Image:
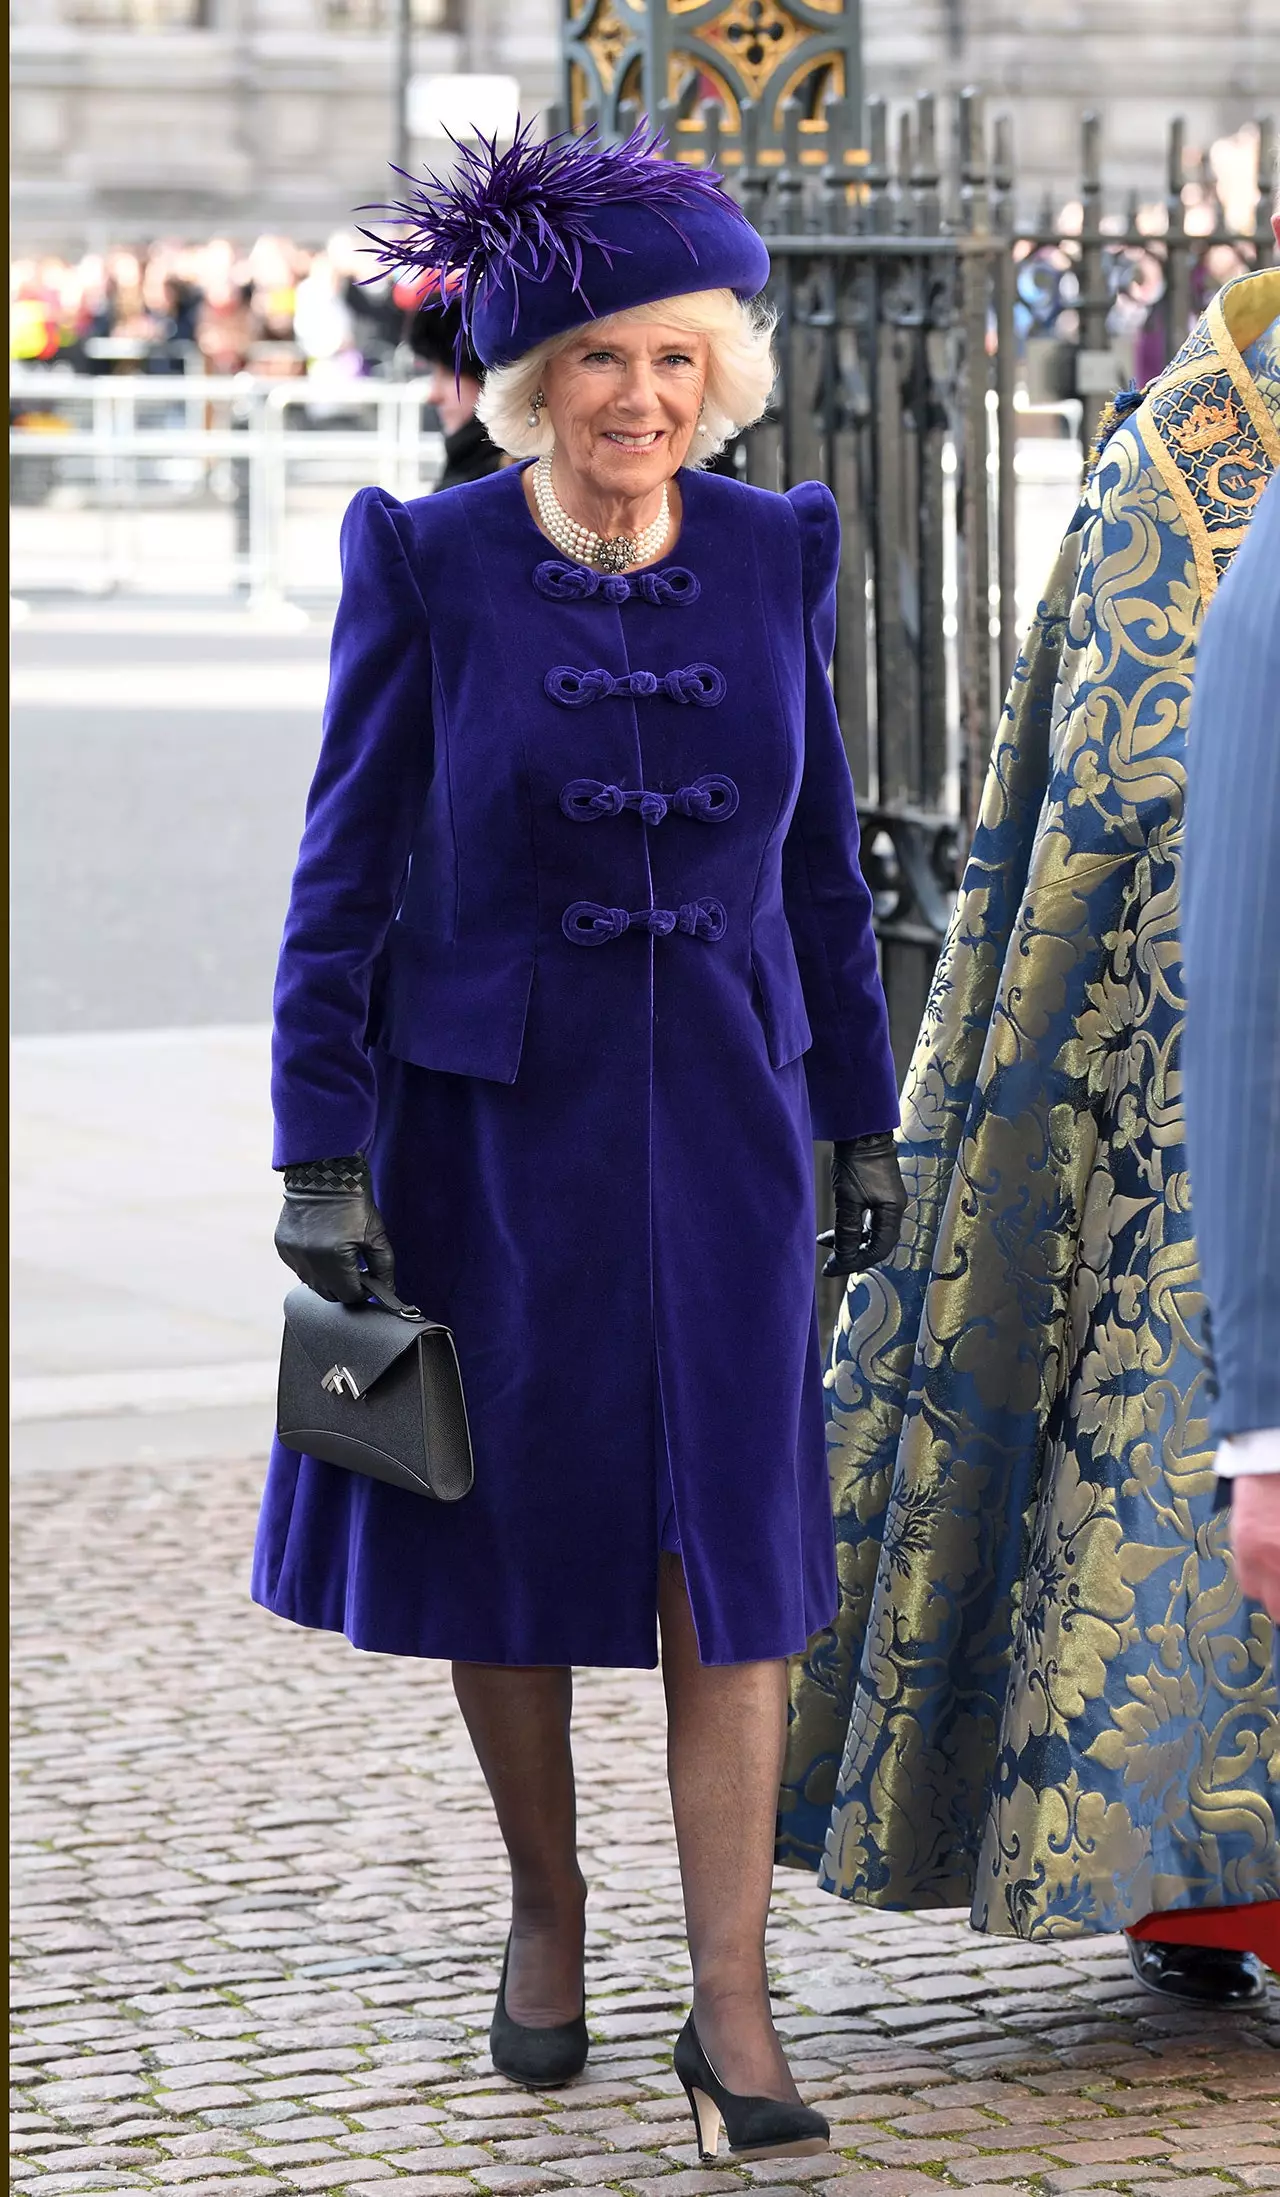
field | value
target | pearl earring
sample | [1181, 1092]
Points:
[535, 407]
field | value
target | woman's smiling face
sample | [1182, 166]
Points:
[623, 399]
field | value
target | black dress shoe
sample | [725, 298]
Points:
[1198, 1975]
[757, 2128]
[541, 2059]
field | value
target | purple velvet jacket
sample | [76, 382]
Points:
[578, 911]
[435, 865]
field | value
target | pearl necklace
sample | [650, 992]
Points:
[608, 553]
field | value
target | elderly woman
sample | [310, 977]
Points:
[578, 962]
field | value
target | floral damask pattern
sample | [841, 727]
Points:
[1043, 1694]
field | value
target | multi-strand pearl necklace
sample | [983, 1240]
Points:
[608, 553]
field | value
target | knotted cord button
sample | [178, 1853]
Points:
[709, 800]
[566, 583]
[675, 585]
[583, 800]
[577, 689]
[702, 919]
[701, 684]
[563, 583]
[590, 923]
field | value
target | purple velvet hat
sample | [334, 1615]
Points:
[545, 237]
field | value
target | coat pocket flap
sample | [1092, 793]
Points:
[457, 1005]
[350, 1346]
[779, 995]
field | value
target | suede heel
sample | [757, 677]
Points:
[757, 2128]
[539, 2059]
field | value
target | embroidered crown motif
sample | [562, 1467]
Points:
[1208, 424]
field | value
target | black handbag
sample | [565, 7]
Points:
[376, 1388]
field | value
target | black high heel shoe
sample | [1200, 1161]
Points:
[757, 2128]
[541, 2059]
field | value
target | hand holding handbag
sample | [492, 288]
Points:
[331, 1232]
[376, 1388]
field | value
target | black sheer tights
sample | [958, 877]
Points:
[725, 1733]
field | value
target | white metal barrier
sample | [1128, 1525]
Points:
[253, 434]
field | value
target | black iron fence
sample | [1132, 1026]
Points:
[918, 314]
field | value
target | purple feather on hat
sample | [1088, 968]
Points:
[532, 208]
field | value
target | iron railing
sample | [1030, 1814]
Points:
[917, 310]
[912, 304]
[105, 437]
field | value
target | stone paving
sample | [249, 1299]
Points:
[259, 1913]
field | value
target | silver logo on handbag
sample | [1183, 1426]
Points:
[340, 1378]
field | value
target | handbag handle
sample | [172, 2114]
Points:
[382, 1295]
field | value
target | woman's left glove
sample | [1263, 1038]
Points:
[329, 1225]
[871, 1199]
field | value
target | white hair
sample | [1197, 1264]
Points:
[740, 372]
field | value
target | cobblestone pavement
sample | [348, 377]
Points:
[260, 1917]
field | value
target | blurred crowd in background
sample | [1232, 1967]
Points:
[174, 307]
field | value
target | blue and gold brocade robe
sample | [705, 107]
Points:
[1044, 1694]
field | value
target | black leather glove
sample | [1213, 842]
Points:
[329, 1225]
[871, 1199]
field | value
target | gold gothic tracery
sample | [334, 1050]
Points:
[606, 42]
[680, 67]
[755, 36]
[640, 53]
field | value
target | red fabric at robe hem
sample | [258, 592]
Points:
[1250, 1929]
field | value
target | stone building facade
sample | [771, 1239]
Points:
[133, 118]
[138, 117]
[1047, 62]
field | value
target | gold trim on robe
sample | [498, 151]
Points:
[1044, 1696]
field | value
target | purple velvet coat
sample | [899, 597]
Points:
[579, 951]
